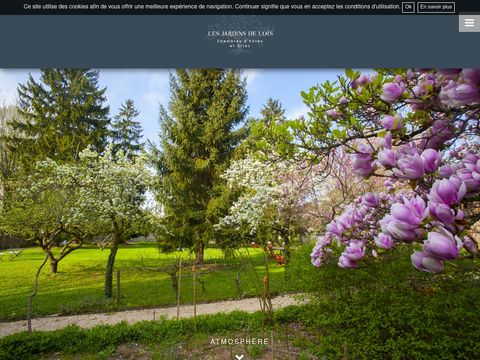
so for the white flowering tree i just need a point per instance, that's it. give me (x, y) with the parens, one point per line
(63, 204)
(40, 209)
(110, 197)
(275, 195)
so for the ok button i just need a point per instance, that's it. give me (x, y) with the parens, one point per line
(408, 7)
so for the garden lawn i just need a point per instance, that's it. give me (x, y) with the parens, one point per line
(78, 285)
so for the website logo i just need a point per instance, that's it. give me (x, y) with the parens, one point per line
(240, 34)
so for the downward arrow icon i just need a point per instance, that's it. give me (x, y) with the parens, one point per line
(239, 357)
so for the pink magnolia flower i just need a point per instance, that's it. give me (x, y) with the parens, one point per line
(334, 114)
(316, 262)
(470, 179)
(399, 230)
(391, 92)
(343, 222)
(455, 95)
(392, 122)
(423, 87)
(470, 245)
(370, 199)
(471, 76)
(363, 164)
(449, 73)
(345, 262)
(425, 262)
(333, 228)
(447, 192)
(431, 159)
(417, 206)
(472, 159)
(386, 157)
(446, 171)
(442, 212)
(411, 212)
(362, 80)
(386, 141)
(354, 251)
(437, 135)
(384, 241)
(410, 167)
(403, 214)
(441, 246)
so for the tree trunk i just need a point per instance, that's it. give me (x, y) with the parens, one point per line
(199, 252)
(53, 262)
(287, 256)
(32, 295)
(53, 265)
(110, 265)
(287, 247)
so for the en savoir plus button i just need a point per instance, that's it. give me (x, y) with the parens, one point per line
(430, 7)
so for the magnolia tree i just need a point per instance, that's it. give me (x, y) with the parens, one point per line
(419, 131)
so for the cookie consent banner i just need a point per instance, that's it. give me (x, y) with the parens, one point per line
(248, 7)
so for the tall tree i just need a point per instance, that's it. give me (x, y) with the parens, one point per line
(199, 134)
(8, 159)
(126, 132)
(111, 195)
(98, 195)
(63, 113)
(272, 112)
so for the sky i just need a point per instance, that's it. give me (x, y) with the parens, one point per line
(150, 87)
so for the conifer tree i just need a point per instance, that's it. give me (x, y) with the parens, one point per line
(8, 159)
(272, 112)
(126, 132)
(62, 113)
(200, 130)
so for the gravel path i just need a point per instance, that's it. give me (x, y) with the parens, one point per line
(132, 316)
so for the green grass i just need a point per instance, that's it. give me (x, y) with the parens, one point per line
(399, 312)
(164, 339)
(101, 341)
(78, 285)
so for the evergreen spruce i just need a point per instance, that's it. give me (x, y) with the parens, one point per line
(62, 114)
(8, 159)
(126, 132)
(200, 131)
(273, 112)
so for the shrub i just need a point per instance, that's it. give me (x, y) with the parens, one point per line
(73, 340)
(388, 310)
